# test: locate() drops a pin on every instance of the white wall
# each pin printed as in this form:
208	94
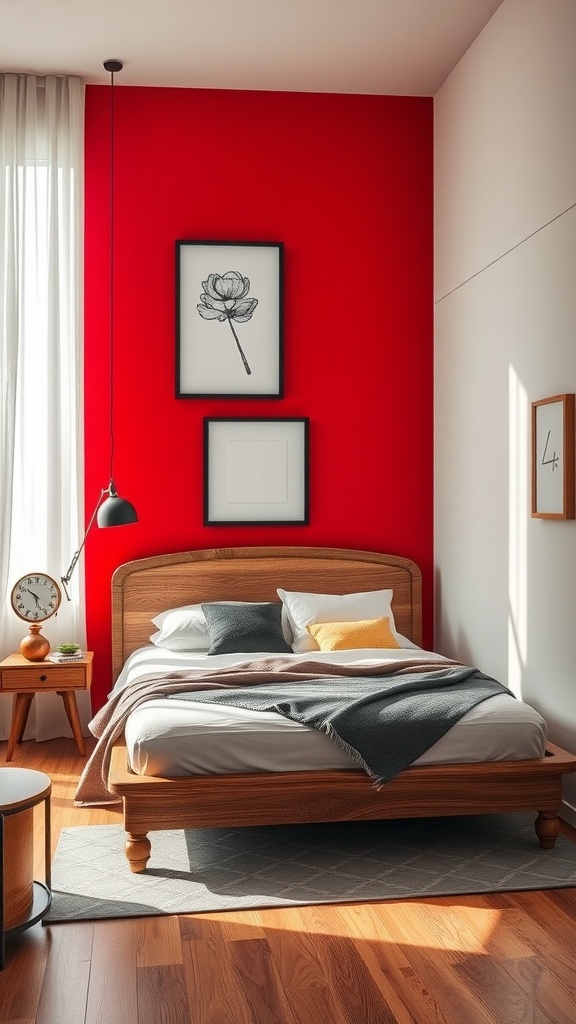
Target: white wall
505	293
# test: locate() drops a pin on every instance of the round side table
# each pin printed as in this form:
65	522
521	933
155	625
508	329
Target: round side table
24	901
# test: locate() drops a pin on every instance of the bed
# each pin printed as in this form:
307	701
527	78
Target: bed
144	588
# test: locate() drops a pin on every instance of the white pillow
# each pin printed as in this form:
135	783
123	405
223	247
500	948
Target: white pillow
405	642
186	629
305	609
182	629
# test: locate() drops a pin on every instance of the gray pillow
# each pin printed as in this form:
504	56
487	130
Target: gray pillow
247	628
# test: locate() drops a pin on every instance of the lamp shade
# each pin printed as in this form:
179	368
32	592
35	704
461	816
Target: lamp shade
116	511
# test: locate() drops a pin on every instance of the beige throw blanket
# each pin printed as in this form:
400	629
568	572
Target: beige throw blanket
108	724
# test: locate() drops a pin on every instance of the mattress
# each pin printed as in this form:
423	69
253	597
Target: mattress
173	737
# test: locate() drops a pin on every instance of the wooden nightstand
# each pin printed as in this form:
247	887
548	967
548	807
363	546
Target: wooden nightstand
25	678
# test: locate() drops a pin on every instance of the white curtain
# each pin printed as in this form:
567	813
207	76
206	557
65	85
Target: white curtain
41	353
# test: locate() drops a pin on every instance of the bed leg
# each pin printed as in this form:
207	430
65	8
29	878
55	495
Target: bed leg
137	851
547	827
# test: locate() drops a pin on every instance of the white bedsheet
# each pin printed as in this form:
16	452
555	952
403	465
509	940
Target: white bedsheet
167	737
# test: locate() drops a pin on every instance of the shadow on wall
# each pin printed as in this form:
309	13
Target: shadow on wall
456	647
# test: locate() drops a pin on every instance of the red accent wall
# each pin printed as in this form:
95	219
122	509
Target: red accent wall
345	182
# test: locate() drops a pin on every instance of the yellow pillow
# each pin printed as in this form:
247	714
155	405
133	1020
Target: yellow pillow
347	636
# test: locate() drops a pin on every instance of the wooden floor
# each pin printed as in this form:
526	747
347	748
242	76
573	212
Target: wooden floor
503	959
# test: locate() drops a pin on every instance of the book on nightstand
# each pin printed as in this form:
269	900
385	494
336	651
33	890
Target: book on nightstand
60	659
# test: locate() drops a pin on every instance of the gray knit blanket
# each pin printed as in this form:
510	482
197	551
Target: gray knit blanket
383	716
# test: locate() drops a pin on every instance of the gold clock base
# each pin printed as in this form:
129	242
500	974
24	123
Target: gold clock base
35	647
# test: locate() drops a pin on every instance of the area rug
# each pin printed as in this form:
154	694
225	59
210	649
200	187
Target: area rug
199	870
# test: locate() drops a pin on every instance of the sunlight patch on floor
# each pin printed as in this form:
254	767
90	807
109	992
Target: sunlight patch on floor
430	924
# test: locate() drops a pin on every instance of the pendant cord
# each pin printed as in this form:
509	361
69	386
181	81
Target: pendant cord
112	275
114	511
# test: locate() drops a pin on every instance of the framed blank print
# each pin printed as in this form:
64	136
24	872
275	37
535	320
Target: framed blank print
553	457
255	471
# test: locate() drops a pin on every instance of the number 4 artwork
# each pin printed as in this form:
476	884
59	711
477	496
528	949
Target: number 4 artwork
553	458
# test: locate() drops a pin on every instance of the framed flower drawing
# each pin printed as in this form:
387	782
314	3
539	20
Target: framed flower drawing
229	312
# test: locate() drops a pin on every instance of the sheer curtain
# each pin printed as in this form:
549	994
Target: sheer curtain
41	353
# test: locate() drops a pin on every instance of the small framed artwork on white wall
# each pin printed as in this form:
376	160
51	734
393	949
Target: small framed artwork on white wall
256	471
553	494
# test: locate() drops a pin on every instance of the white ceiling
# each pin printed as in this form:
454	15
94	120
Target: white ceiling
395	47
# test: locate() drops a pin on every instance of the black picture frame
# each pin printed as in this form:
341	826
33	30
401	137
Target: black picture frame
256	471
229	319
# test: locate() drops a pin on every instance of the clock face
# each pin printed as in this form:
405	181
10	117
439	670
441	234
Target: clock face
36	597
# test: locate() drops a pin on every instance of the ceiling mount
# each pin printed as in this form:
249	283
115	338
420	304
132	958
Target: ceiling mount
112	66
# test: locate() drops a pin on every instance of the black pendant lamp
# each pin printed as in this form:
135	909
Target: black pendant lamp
111	509
114	511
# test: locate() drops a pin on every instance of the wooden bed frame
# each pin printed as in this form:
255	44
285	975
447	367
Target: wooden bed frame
143	588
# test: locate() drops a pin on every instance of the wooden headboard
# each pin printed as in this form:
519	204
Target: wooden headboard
144	587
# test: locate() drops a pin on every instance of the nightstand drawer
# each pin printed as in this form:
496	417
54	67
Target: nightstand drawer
39	677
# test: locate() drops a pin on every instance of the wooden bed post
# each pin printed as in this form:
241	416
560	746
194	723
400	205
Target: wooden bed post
137	851
547	826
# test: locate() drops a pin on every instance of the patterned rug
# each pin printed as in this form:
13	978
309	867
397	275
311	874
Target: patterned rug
197	870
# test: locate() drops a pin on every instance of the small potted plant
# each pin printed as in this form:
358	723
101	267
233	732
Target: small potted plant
68	648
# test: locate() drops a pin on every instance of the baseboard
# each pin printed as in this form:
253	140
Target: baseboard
568	813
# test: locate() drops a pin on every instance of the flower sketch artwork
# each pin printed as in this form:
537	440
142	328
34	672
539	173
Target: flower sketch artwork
229	312
225	297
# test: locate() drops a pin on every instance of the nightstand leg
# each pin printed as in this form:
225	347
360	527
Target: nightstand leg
69	698
20	709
